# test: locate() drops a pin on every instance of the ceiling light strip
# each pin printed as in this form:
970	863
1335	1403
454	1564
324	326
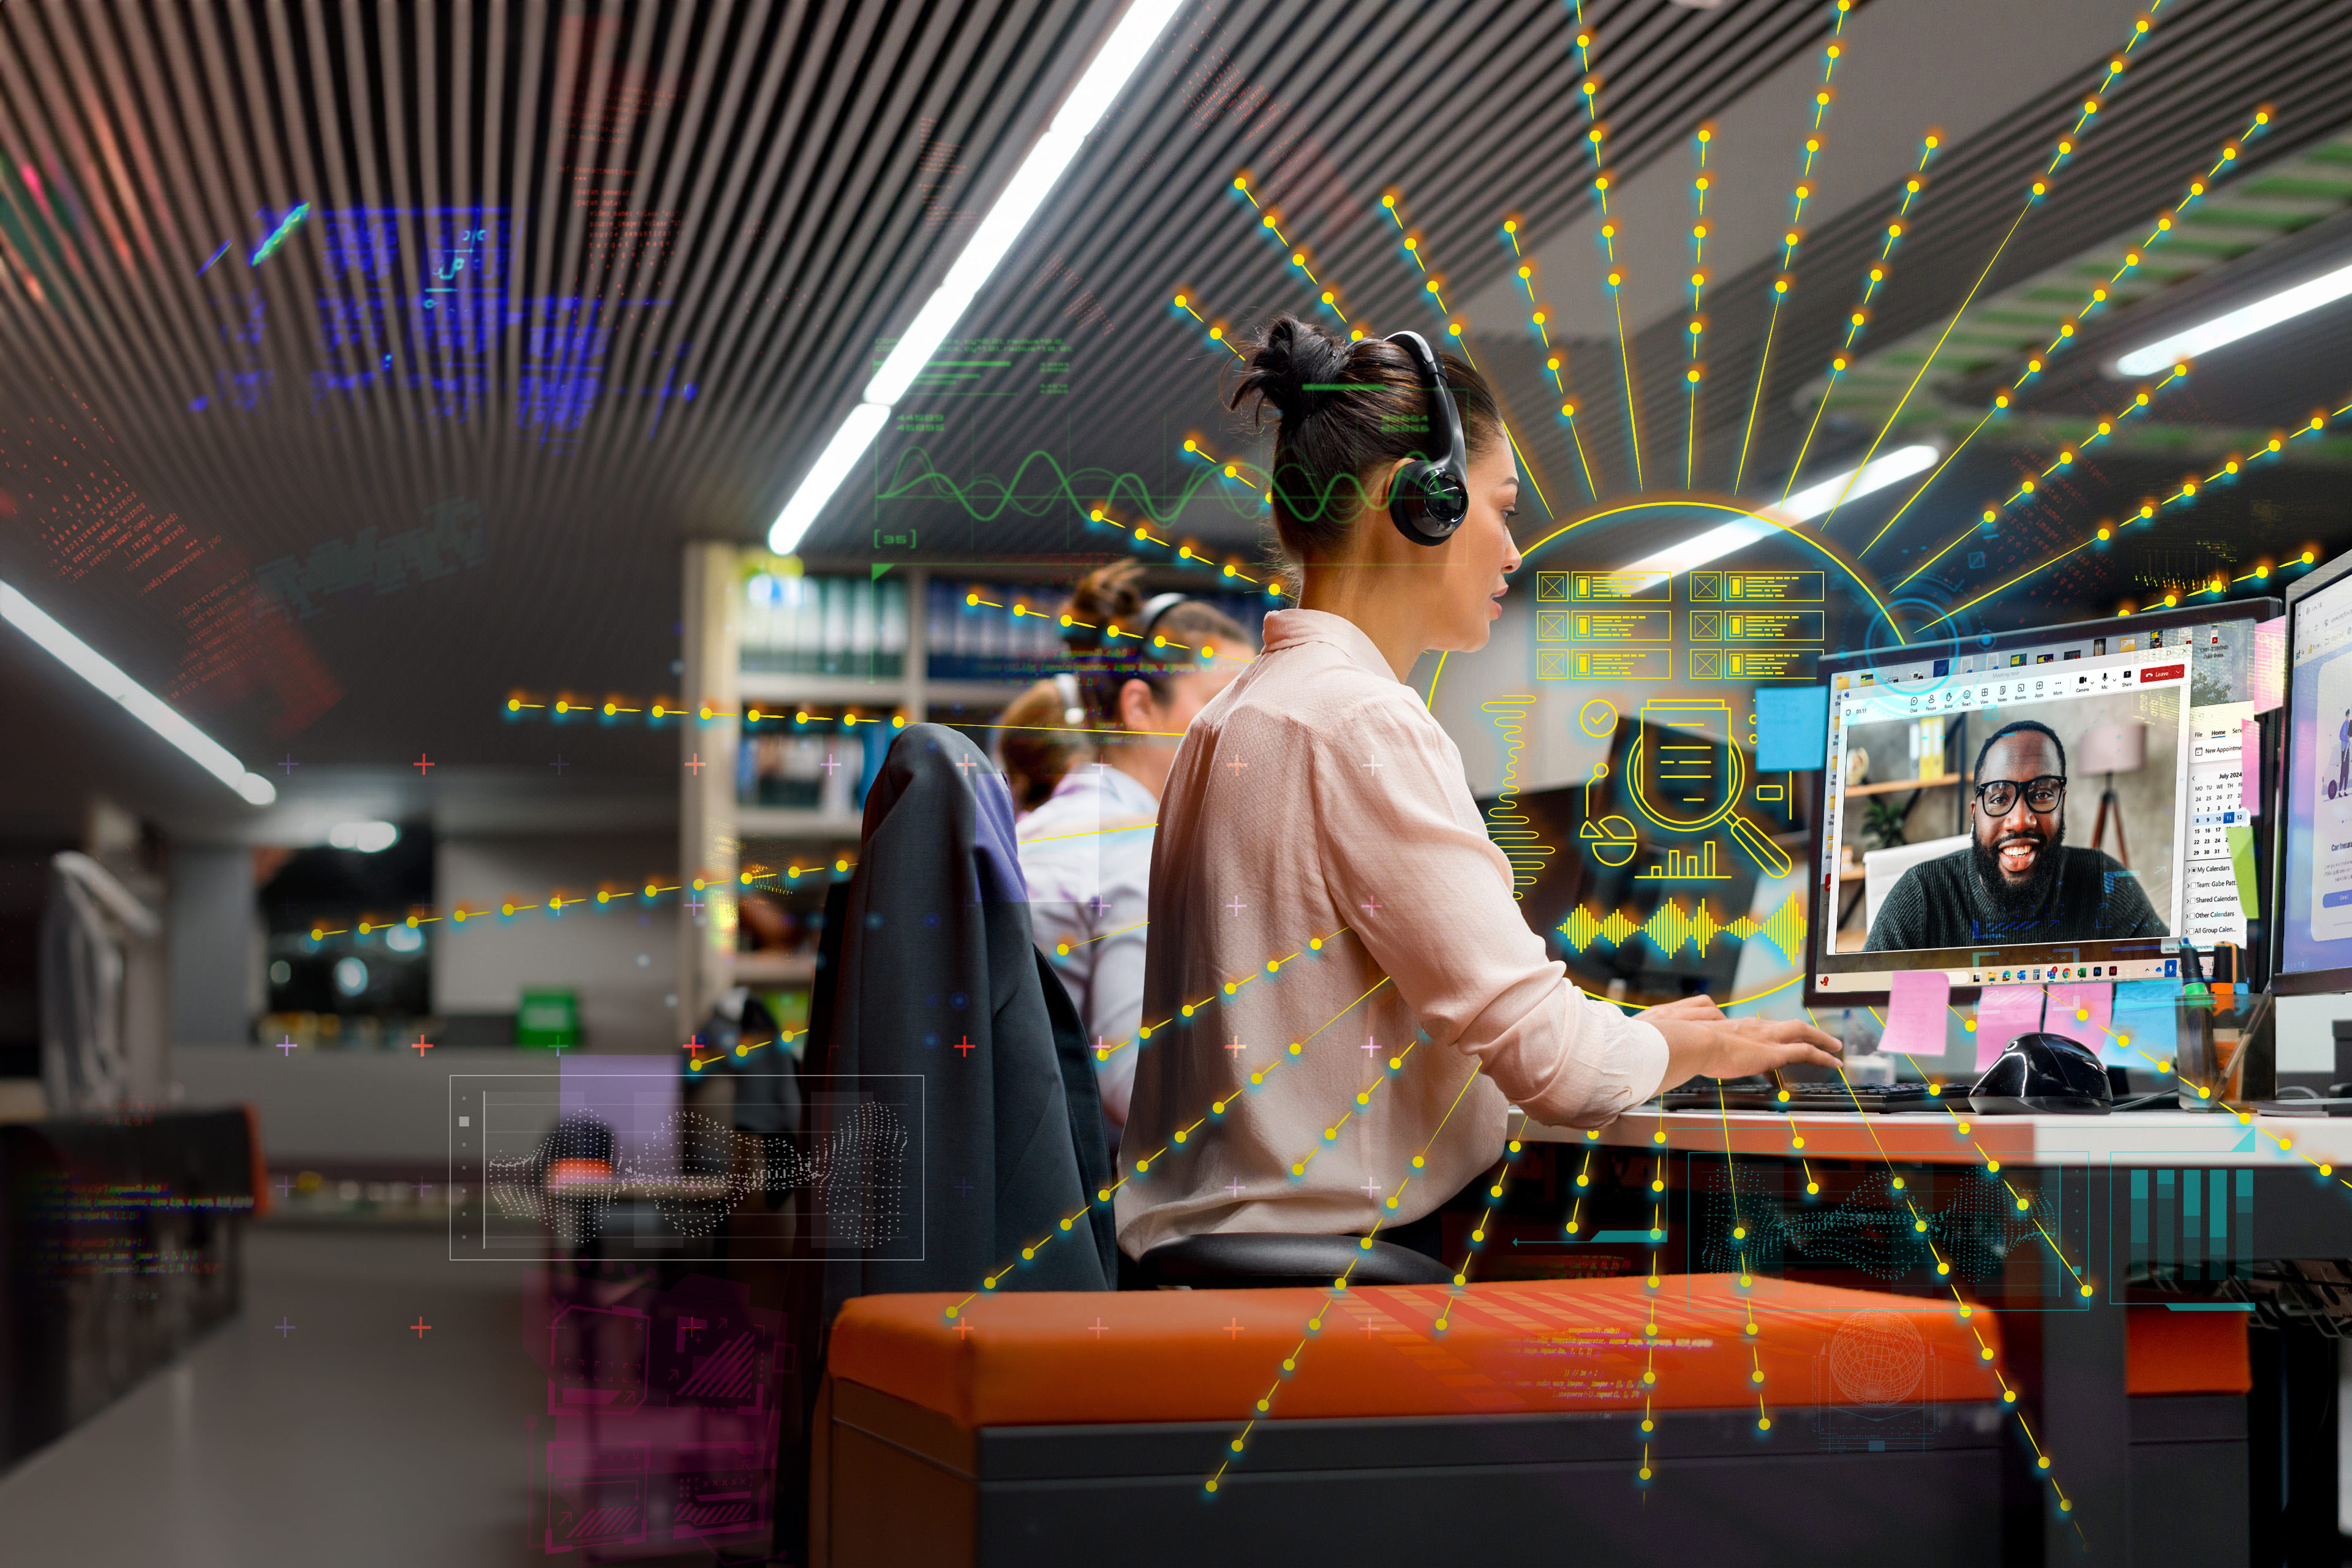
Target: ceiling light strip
1114	65
143	705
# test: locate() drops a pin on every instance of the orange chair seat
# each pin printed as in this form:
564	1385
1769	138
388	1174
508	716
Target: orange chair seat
1057	1358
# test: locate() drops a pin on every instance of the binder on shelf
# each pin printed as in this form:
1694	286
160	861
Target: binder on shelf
808	641
994	625
842	765
890	659
939	606
836	625
862	627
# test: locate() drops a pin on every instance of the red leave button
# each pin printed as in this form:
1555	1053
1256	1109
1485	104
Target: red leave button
2162	672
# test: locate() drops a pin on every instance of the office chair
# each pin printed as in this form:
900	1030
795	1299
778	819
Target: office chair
1245	1260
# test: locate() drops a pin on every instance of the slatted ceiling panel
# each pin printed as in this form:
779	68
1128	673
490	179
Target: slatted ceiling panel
2192	88
1149	208
804	152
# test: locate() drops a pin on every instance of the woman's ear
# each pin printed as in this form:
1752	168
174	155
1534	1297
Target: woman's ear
1137	711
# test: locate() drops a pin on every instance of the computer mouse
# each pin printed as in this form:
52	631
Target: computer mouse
2049	1074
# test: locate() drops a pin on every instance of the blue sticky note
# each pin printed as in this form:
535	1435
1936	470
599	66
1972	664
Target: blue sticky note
1792	728
2145	1017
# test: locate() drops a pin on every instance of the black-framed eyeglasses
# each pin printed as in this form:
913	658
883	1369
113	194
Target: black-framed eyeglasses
1999	797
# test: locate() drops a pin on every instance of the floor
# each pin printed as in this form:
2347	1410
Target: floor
348	1437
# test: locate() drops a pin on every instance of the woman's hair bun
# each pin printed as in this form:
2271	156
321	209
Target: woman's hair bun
1292	357
1106	596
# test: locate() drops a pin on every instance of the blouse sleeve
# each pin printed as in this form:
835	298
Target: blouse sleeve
1431	900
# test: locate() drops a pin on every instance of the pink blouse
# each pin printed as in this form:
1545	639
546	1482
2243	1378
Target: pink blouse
1342	1000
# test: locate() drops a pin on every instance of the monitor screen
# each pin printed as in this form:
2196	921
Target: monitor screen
2048	804
2315	886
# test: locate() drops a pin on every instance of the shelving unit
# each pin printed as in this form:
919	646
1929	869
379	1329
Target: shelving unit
715	826
1895	787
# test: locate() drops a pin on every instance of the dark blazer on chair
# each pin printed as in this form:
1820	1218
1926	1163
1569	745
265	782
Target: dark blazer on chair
935	981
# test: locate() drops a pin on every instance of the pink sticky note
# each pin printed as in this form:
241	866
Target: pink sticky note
2004	1013
2251	757
2094	1002
1914	1012
2267	675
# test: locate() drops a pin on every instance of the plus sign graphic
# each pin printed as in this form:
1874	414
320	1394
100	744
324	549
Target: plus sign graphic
1099	1330
1237	1047
1371	1189
285	1045
697	765
289	764
684	1325
1233	1328
695	906
966	765
1234	1187
829	764
284	1187
420	1045
963	1185
1097	905
1237	907
285	1327
1237	766
559	764
420	1326
962	1328
693	1046
1375	766
422	763
964	1045
1372	906
1369	1047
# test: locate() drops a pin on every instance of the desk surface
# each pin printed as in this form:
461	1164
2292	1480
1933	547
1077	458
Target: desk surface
1957	1137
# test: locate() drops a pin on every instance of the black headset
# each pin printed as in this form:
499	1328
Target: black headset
1427	501
1074	706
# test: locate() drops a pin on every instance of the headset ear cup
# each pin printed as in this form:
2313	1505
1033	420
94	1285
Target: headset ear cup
1426	505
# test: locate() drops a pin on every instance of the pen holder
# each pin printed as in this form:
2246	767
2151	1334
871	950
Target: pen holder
2228	1054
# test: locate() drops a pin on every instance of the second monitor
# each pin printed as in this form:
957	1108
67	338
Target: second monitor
2055	803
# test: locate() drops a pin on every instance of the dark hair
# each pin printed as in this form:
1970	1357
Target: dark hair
1329	441
2021	726
1035	745
1106	636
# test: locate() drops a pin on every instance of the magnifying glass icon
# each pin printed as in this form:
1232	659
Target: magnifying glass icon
1687	781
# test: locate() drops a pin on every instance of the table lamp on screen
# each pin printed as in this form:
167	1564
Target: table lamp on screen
2113	749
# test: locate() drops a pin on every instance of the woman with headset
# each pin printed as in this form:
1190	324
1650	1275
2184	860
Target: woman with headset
1146	669
1342	998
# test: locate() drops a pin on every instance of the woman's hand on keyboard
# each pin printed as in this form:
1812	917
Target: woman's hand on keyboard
1736	1048
1700	1007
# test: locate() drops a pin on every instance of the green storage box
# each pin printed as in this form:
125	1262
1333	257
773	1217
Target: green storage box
549	1019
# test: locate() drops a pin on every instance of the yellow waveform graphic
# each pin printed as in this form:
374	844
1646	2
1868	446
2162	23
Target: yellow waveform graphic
1671	926
1509	827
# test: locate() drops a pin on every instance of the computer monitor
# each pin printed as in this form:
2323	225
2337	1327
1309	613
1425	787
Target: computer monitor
2131	727
2311	937
1655	925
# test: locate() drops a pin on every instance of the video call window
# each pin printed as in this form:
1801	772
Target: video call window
2011	803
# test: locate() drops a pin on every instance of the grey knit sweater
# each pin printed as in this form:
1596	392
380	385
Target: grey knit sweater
1941	903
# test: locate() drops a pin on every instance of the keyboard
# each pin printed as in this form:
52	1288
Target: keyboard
1762	1094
